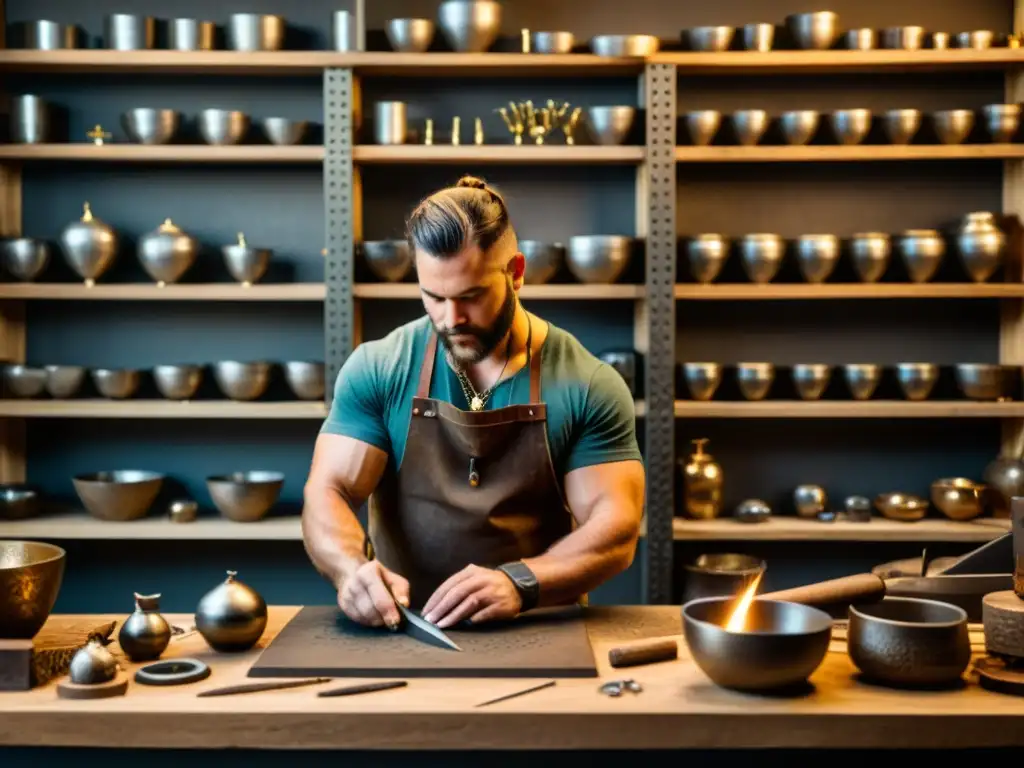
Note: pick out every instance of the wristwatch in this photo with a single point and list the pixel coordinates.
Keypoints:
(525, 582)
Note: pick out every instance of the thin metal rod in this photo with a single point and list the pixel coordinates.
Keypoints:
(508, 696)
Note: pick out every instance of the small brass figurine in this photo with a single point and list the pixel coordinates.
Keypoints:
(428, 132)
(98, 135)
(456, 130)
(538, 124)
(569, 126)
(478, 132)
(526, 40)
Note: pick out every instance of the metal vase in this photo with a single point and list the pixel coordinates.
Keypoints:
(30, 120)
(390, 122)
(191, 35)
(44, 35)
(343, 27)
(255, 32)
(129, 32)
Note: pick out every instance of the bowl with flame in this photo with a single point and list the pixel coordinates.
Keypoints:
(754, 644)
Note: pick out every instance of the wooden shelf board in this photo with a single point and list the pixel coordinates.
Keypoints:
(847, 409)
(808, 62)
(536, 292)
(750, 291)
(162, 153)
(858, 153)
(153, 292)
(498, 154)
(161, 409)
(292, 63)
(80, 525)
(879, 529)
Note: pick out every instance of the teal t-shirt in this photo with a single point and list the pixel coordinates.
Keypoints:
(590, 412)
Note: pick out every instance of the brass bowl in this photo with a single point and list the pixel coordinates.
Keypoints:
(31, 574)
(904, 507)
(958, 498)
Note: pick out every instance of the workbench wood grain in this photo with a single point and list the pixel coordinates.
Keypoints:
(678, 709)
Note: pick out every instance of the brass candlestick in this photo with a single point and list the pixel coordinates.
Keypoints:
(515, 126)
(428, 132)
(98, 135)
(456, 129)
(478, 132)
(569, 126)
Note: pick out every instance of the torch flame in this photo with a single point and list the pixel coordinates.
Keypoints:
(738, 618)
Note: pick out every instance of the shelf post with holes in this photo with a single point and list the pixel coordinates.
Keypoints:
(659, 425)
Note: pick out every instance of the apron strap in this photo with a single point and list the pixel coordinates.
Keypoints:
(427, 368)
(534, 362)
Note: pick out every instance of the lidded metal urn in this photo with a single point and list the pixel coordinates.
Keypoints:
(232, 616)
(89, 246)
(145, 634)
(166, 253)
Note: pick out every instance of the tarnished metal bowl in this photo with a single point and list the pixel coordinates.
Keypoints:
(242, 380)
(610, 125)
(761, 255)
(958, 498)
(917, 380)
(121, 495)
(811, 379)
(283, 131)
(31, 574)
(63, 381)
(389, 260)
(410, 35)
(116, 383)
(24, 258)
(178, 382)
(707, 253)
(985, 381)
(470, 26)
(24, 380)
(223, 126)
(814, 31)
(599, 258)
(543, 260)
(306, 379)
(905, 507)
(702, 379)
(146, 125)
(755, 379)
(953, 125)
(862, 379)
(245, 497)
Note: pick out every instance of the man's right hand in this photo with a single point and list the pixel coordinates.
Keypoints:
(366, 596)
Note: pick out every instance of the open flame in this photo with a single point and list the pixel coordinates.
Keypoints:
(738, 619)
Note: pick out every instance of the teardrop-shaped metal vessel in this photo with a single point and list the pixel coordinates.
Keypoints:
(167, 252)
(232, 616)
(92, 664)
(145, 634)
(89, 246)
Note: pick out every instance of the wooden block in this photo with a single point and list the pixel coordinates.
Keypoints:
(15, 665)
(116, 687)
(1002, 613)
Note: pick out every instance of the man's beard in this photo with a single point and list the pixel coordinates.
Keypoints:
(487, 339)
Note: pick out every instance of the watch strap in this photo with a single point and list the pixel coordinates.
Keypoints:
(525, 582)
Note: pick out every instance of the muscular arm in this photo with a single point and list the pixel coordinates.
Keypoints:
(607, 501)
(343, 474)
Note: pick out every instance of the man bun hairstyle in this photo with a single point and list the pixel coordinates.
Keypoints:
(451, 219)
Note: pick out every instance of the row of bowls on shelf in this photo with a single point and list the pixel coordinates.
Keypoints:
(976, 381)
(149, 125)
(980, 245)
(820, 31)
(90, 247)
(852, 126)
(129, 494)
(595, 259)
(236, 380)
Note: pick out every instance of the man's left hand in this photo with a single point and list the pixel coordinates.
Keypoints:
(474, 593)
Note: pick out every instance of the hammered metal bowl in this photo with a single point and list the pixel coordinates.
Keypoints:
(702, 379)
(543, 260)
(761, 255)
(305, 378)
(145, 125)
(749, 125)
(904, 507)
(917, 380)
(31, 574)
(470, 26)
(707, 254)
(814, 31)
(64, 381)
(862, 379)
(222, 127)
(245, 497)
(702, 125)
(121, 495)
(811, 379)
(282, 131)
(24, 380)
(24, 258)
(799, 126)
(755, 379)
(178, 382)
(410, 35)
(610, 125)
(598, 259)
(116, 383)
(242, 380)
(850, 126)
(984, 381)
(958, 498)
(901, 125)
(953, 125)
(388, 260)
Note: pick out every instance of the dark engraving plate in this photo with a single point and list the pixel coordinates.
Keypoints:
(320, 641)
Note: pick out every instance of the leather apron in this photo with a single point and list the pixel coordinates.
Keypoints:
(429, 520)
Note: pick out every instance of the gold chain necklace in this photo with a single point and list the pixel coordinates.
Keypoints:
(477, 400)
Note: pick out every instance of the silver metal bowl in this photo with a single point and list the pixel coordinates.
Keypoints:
(709, 39)
(1002, 121)
(702, 379)
(389, 260)
(305, 378)
(901, 125)
(749, 125)
(598, 258)
(850, 126)
(245, 497)
(24, 380)
(814, 31)
(985, 381)
(799, 126)
(952, 126)
(283, 131)
(811, 379)
(922, 251)
(223, 126)
(978, 39)
(255, 32)
(116, 383)
(246, 263)
(761, 254)
(610, 125)
(907, 38)
(118, 496)
(552, 42)
(24, 258)
(917, 380)
(31, 574)
(629, 46)
(18, 501)
(64, 381)
(817, 256)
(543, 260)
(145, 125)
(470, 26)
(862, 379)
(410, 35)
(178, 382)
(755, 379)
(702, 125)
(707, 254)
(242, 380)
(871, 252)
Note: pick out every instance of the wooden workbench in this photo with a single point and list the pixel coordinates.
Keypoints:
(679, 708)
